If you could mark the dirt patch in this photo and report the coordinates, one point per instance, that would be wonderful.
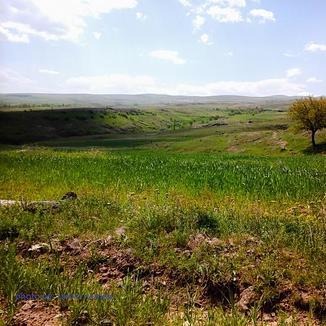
(35, 313)
(110, 262)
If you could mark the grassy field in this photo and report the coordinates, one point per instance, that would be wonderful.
(172, 237)
(183, 217)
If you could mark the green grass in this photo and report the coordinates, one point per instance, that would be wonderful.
(48, 173)
(267, 214)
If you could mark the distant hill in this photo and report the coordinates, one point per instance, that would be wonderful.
(90, 100)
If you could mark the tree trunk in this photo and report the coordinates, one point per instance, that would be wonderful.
(313, 132)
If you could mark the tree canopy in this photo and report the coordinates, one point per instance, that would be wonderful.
(309, 114)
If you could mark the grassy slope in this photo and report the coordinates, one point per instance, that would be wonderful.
(184, 128)
(220, 131)
(19, 127)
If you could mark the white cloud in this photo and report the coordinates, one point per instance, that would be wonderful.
(185, 3)
(126, 84)
(225, 15)
(314, 80)
(141, 16)
(49, 72)
(294, 72)
(263, 15)
(11, 35)
(225, 11)
(20, 33)
(97, 35)
(204, 38)
(229, 54)
(167, 55)
(53, 20)
(12, 81)
(229, 3)
(198, 22)
(314, 47)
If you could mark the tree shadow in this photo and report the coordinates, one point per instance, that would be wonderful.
(319, 149)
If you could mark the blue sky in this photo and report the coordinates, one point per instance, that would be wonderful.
(183, 47)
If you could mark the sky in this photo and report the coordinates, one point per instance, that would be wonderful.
(177, 47)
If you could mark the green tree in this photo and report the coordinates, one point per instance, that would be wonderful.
(309, 114)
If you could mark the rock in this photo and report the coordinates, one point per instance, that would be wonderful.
(69, 196)
(106, 322)
(30, 206)
(39, 249)
(34, 206)
(8, 203)
(247, 299)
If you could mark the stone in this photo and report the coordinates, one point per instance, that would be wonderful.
(247, 298)
(69, 196)
(39, 248)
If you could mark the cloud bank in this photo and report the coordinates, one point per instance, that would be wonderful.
(50, 20)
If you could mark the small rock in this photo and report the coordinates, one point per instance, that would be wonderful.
(106, 322)
(247, 298)
(8, 203)
(69, 196)
(40, 248)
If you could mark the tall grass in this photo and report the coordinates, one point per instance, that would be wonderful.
(33, 174)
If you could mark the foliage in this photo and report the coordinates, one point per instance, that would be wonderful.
(309, 114)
